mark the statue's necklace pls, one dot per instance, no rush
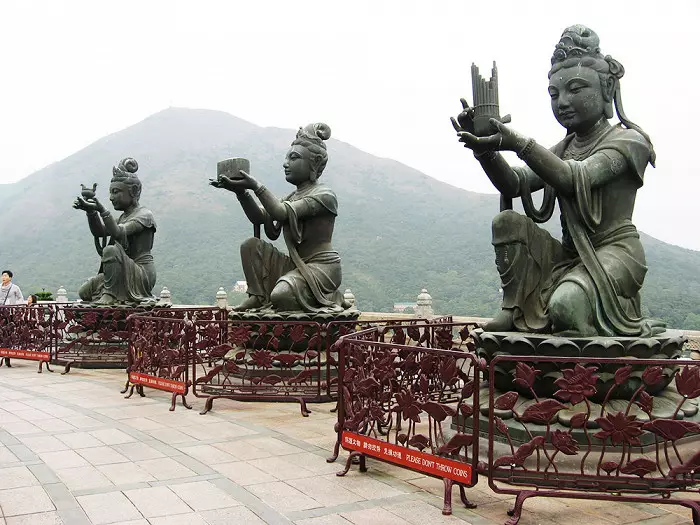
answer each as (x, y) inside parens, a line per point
(581, 148)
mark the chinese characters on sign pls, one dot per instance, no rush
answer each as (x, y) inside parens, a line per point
(178, 387)
(427, 463)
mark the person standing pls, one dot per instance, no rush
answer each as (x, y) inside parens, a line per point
(10, 293)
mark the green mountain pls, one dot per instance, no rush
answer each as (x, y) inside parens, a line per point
(398, 229)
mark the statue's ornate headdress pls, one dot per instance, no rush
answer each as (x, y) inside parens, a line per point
(580, 45)
(312, 137)
(125, 172)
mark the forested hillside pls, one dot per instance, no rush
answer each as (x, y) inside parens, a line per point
(398, 230)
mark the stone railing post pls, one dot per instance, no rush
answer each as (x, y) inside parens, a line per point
(222, 298)
(61, 295)
(165, 297)
(424, 304)
(349, 297)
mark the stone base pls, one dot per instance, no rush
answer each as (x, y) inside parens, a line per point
(666, 345)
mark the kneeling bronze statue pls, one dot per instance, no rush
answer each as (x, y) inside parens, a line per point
(127, 273)
(308, 279)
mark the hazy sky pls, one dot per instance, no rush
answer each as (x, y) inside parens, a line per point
(385, 75)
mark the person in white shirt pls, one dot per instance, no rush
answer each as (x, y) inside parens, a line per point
(9, 292)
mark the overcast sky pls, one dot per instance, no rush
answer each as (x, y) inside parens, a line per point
(385, 75)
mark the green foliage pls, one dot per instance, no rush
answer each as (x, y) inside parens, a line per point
(398, 230)
(43, 295)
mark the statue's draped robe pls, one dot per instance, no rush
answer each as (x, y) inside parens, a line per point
(314, 279)
(127, 271)
(608, 263)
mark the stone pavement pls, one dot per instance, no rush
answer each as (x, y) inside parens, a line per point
(74, 451)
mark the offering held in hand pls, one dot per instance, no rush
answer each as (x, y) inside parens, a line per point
(231, 168)
(485, 95)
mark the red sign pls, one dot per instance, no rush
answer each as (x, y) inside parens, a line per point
(428, 463)
(25, 354)
(160, 383)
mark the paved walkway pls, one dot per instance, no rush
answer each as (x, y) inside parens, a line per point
(74, 451)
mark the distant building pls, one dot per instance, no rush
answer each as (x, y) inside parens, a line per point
(240, 286)
(401, 307)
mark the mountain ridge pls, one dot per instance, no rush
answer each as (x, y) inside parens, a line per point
(398, 229)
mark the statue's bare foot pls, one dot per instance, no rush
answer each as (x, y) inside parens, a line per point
(253, 301)
(106, 300)
(503, 322)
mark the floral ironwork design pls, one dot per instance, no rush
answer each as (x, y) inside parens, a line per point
(629, 447)
(411, 396)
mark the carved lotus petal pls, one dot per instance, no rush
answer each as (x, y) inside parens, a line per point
(603, 348)
(517, 345)
(558, 347)
(643, 348)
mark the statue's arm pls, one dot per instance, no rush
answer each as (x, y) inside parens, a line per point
(504, 177)
(274, 207)
(252, 210)
(96, 227)
(600, 167)
(121, 232)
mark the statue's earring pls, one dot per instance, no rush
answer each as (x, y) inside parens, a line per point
(609, 96)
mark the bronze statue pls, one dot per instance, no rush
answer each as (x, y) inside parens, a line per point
(588, 284)
(127, 273)
(309, 277)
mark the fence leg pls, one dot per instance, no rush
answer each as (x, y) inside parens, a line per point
(465, 500)
(126, 386)
(696, 513)
(185, 403)
(131, 392)
(7, 362)
(48, 367)
(447, 500)
(517, 509)
(336, 447)
(208, 404)
(304, 409)
(351, 457)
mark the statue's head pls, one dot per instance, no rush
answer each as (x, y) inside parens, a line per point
(307, 157)
(584, 84)
(125, 186)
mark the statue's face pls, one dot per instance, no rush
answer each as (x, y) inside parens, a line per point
(120, 196)
(577, 98)
(297, 165)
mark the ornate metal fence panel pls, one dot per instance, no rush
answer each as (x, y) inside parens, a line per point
(91, 337)
(160, 350)
(586, 441)
(25, 333)
(259, 360)
(401, 331)
(400, 403)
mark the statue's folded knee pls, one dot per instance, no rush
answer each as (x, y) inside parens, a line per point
(282, 297)
(570, 309)
(85, 292)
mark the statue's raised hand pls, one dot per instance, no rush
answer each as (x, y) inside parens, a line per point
(91, 205)
(509, 139)
(243, 182)
(465, 120)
